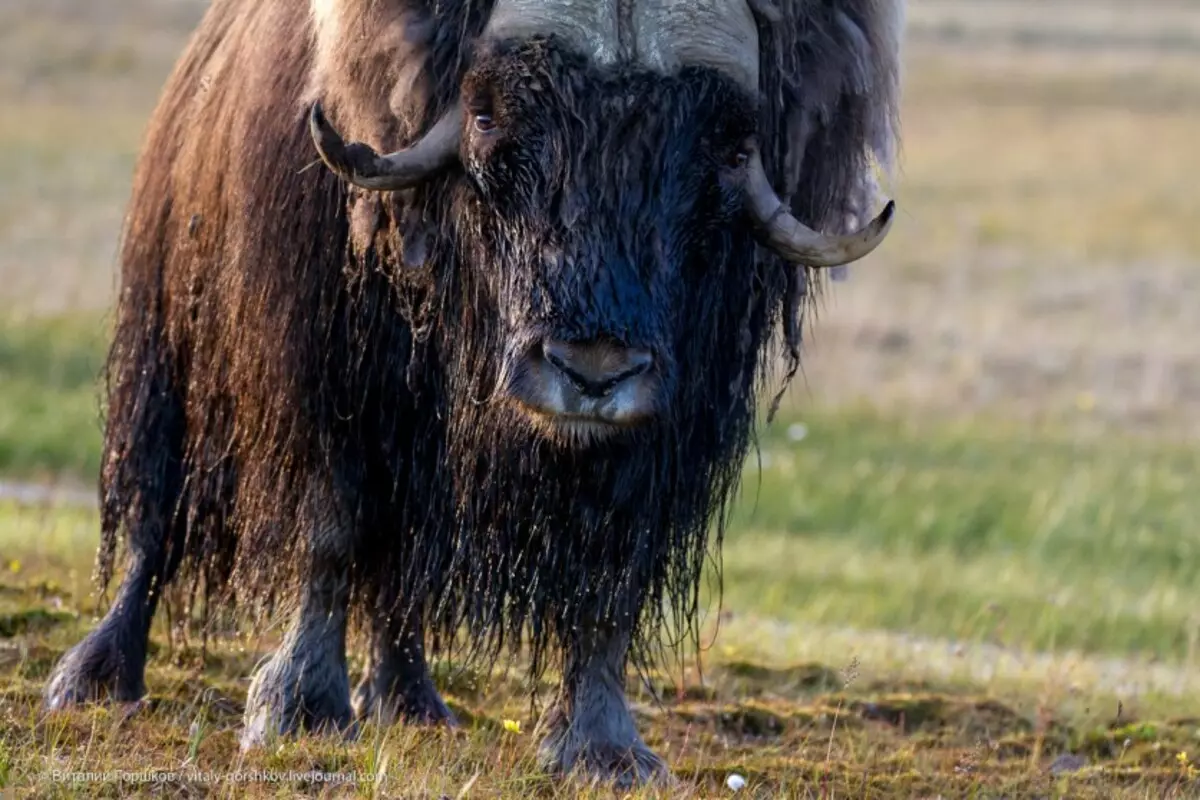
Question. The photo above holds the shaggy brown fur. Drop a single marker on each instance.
(276, 329)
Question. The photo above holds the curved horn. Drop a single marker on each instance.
(795, 241)
(360, 165)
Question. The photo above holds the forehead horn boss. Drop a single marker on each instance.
(721, 34)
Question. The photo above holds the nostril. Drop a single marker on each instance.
(556, 354)
(563, 365)
(639, 361)
(597, 368)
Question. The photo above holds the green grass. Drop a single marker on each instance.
(808, 574)
(975, 531)
(50, 397)
(996, 598)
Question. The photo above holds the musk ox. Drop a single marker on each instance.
(449, 318)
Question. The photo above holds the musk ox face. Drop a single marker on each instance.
(603, 216)
(607, 212)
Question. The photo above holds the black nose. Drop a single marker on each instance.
(596, 368)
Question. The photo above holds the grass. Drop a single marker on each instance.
(969, 531)
(1004, 601)
(50, 397)
(966, 565)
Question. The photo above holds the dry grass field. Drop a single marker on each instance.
(966, 562)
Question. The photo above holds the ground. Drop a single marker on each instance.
(964, 562)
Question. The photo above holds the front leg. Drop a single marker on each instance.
(396, 684)
(305, 685)
(589, 725)
(110, 662)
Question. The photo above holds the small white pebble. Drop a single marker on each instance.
(798, 432)
(735, 782)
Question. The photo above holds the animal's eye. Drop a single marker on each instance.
(484, 123)
(739, 158)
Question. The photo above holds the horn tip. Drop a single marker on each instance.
(328, 141)
(317, 123)
(883, 222)
(888, 212)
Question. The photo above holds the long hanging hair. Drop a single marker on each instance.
(274, 325)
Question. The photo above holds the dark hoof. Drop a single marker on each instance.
(288, 696)
(419, 704)
(96, 670)
(624, 767)
(565, 752)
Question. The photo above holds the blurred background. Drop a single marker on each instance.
(992, 441)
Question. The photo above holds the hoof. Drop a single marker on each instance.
(266, 725)
(288, 697)
(419, 704)
(625, 768)
(566, 752)
(96, 670)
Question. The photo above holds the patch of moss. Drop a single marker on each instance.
(747, 720)
(1012, 748)
(460, 681)
(32, 663)
(1142, 744)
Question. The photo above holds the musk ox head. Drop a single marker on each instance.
(611, 200)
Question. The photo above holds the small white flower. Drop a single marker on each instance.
(735, 782)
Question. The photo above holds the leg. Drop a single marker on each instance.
(305, 686)
(396, 684)
(142, 490)
(589, 725)
(110, 662)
